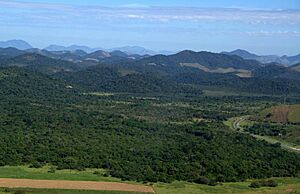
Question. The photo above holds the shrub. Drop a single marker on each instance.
(19, 192)
(52, 169)
(212, 183)
(97, 172)
(202, 180)
(263, 183)
(36, 165)
(270, 183)
(255, 185)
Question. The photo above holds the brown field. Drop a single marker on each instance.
(282, 114)
(76, 185)
(279, 114)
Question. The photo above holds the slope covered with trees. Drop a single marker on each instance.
(145, 138)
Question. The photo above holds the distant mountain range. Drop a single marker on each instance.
(87, 49)
(19, 44)
(71, 52)
(129, 50)
(284, 60)
(184, 72)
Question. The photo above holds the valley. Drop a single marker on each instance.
(149, 121)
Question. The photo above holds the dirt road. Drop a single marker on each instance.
(77, 185)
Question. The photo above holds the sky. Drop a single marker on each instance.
(259, 26)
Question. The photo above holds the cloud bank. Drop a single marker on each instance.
(26, 12)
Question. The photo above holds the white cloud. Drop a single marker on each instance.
(71, 14)
(275, 33)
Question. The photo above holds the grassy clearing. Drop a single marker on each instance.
(294, 114)
(285, 185)
(24, 172)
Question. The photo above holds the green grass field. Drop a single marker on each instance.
(284, 184)
(42, 173)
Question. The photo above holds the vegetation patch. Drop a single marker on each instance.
(263, 183)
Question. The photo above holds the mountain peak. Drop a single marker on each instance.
(19, 44)
(242, 53)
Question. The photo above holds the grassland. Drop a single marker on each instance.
(294, 114)
(24, 172)
(285, 185)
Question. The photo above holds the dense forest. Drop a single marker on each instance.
(139, 137)
(147, 119)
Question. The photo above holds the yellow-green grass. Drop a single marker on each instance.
(294, 114)
(24, 172)
(285, 185)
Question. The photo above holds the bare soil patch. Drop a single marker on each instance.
(279, 114)
(76, 185)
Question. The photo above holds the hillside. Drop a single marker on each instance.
(284, 60)
(277, 71)
(6, 53)
(19, 44)
(106, 79)
(282, 114)
(40, 63)
(21, 84)
(207, 59)
(296, 67)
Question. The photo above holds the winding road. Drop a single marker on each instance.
(236, 126)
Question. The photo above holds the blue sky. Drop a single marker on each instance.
(260, 26)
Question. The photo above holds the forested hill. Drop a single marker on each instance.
(39, 63)
(149, 132)
(106, 79)
(184, 72)
(207, 59)
(19, 83)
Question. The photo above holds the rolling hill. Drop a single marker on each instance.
(206, 59)
(40, 63)
(19, 44)
(285, 60)
(22, 84)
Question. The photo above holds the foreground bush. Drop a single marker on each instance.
(263, 183)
